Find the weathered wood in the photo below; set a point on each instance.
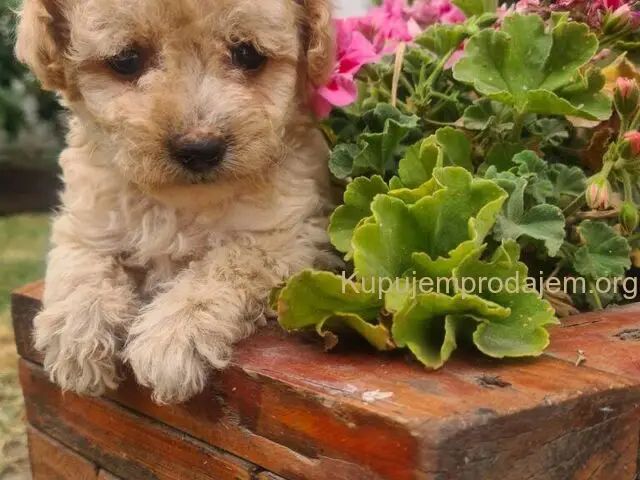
(130, 446)
(293, 410)
(50, 460)
(25, 304)
(268, 476)
(104, 475)
(610, 341)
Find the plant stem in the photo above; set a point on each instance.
(633, 238)
(397, 72)
(594, 295)
(440, 124)
(446, 98)
(624, 127)
(518, 125)
(634, 123)
(627, 185)
(574, 206)
(427, 88)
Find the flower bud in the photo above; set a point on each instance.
(629, 217)
(626, 96)
(629, 147)
(598, 193)
(618, 20)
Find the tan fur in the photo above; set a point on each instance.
(151, 262)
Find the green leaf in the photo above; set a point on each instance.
(463, 209)
(551, 131)
(501, 155)
(357, 206)
(486, 114)
(383, 248)
(456, 146)
(341, 161)
(522, 332)
(604, 254)
(476, 7)
(542, 222)
(331, 303)
(535, 170)
(377, 147)
(442, 38)
(526, 66)
(418, 163)
(567, 181)
(428, 323)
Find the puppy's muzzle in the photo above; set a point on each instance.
(198, 156)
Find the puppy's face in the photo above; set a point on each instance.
(181, 92)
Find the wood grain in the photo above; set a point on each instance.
(130, 446)
(50, 460)
(104, 475)
(295, 411)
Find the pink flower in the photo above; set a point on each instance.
(610, 4)
(427, 12)
(626, 86)
(598, 194)
(353, 51)
(390, 25)
(634, 140)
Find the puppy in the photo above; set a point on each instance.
(195, 179)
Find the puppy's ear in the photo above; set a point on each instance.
(42, 39)
(319, 39)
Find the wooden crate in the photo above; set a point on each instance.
(285, 409)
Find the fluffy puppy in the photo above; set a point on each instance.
(195, 179)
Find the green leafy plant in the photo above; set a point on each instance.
(504, 164)
(434, 233)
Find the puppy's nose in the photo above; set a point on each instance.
(198, 155)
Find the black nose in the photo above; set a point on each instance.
(198, 156)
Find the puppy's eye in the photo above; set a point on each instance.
(245, 56)
(128, 63)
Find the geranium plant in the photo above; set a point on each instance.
(477, 143)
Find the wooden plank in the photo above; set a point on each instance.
(25, 304)
(268, 476)
(610, 341)
(104, 475)
(292, 409)
(50, 460)
(130, 446)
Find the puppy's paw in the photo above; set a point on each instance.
(79, 353)
(172, 350)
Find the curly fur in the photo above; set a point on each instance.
(164, 267)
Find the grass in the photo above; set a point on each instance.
(23, 243)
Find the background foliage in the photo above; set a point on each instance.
(30, 130)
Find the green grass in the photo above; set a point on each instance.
(23, 244)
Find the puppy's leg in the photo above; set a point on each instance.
(88, 301)
(193, 324)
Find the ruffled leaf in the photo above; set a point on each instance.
(331, 303)
(523, 332)
(357, 206)
(428, 324)
(462, 209)
(604, 254)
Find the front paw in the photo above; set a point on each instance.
(172, 353)
(78, 357)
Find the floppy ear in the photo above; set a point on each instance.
(320, 39)
(42, 38)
